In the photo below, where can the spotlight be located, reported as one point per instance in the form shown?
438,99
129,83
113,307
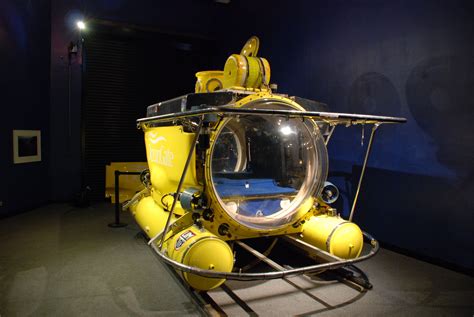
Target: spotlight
81,25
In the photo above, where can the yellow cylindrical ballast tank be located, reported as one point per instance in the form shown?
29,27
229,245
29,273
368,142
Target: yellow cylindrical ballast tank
333,234
149,216
192,246
198,247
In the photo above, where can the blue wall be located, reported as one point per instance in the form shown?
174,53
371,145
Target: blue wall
404,58
24,85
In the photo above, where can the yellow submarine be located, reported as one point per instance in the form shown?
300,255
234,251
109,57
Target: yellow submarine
236,160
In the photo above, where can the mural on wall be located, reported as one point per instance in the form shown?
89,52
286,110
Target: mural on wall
439,92
374,92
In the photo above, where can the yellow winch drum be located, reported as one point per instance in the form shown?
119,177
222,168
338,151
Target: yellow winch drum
246,71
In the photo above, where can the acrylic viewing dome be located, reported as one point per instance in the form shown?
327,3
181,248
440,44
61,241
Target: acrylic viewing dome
264,168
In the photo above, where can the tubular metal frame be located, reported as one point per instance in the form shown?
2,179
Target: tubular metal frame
366,158
180,184
330,117
267,275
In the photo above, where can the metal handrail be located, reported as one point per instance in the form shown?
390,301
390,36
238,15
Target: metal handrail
334,117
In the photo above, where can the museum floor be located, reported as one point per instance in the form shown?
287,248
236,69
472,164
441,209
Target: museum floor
64,261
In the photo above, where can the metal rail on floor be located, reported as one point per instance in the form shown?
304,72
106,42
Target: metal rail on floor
207,303
213,308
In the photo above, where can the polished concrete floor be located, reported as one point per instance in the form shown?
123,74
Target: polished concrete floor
64,261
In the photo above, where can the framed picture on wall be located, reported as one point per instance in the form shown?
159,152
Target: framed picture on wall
26,146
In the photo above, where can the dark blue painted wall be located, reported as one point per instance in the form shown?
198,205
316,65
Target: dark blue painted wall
404,58
24,85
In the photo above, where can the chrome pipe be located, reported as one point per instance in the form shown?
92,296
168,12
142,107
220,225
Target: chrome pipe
331,131
336,117
267,275
367,153
181,181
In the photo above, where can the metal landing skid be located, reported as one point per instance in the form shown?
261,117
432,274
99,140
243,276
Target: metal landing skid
350,276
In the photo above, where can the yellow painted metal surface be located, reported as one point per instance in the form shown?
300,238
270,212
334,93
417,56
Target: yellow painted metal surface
235,71
129,184
209,81
334,235
246,71
198,247
253,75
167,149
150,216
251,47
265,72
192,246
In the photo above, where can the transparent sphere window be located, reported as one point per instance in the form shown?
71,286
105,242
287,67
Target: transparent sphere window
264,167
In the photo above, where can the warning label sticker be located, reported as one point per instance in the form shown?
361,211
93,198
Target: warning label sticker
185,236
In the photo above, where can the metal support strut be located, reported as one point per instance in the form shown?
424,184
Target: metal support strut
367,153
180,184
